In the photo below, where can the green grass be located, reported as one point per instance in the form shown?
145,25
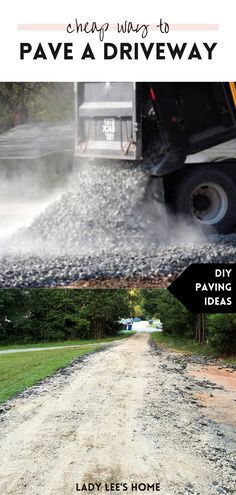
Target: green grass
187,345
22,370
19,371
64,342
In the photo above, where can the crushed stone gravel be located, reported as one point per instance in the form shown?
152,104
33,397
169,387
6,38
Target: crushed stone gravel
106,227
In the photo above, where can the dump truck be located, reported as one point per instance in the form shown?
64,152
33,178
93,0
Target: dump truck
183,135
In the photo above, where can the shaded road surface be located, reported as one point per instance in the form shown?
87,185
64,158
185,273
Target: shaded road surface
126,414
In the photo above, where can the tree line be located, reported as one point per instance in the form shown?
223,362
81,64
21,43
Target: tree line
22,102
60,314
218,330
38,315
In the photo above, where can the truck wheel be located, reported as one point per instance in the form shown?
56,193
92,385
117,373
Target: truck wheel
208,196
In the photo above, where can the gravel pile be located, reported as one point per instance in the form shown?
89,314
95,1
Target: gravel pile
103,210
105,226
28,270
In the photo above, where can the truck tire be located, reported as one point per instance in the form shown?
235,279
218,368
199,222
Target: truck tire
206,195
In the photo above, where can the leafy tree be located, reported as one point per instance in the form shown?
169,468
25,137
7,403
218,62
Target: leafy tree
222,333
22,102
103,308
175,317
13,312
136,303
53,314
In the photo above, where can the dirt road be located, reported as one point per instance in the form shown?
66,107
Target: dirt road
127,414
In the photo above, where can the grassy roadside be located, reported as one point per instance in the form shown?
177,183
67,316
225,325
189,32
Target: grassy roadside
22,370
182,344
64,342
19,371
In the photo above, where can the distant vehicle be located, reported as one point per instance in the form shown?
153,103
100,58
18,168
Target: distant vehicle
150,322
127,323
137,319
159,326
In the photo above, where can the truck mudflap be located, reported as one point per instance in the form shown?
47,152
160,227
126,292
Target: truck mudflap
107,121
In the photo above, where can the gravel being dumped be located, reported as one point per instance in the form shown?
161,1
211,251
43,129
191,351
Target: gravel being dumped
106,227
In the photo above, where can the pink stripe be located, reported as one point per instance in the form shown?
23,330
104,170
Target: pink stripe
42,27
194,27
113,27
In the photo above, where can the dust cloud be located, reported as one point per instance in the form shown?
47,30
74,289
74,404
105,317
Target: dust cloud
27,187
104,207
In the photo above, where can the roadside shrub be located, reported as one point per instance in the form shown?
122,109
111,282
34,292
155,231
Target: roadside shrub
222,333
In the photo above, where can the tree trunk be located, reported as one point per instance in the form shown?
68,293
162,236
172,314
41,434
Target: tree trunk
20,117
200,332
98,333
